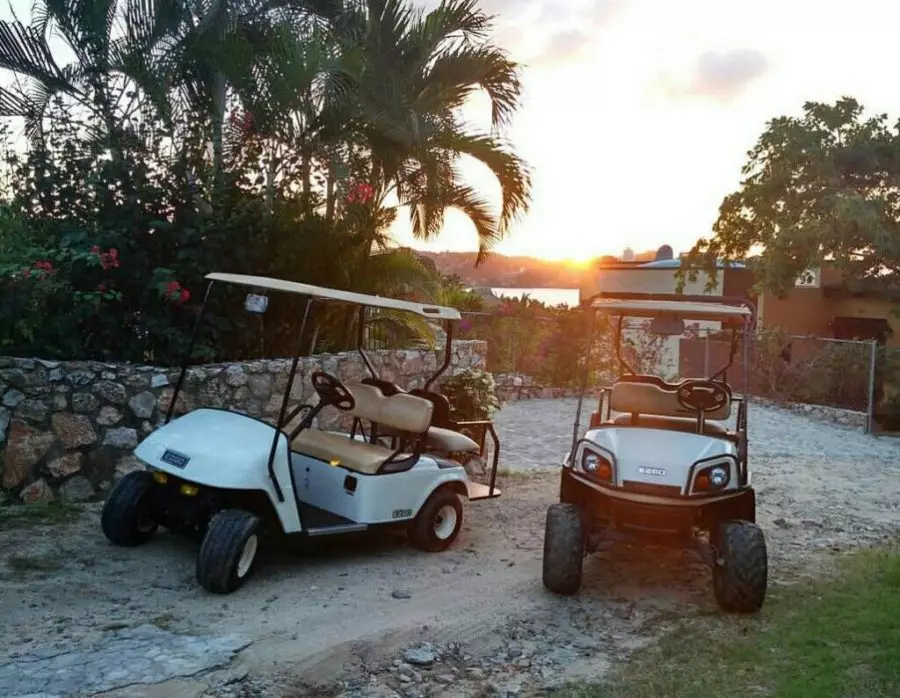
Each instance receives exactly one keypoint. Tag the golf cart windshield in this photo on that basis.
(667, 314)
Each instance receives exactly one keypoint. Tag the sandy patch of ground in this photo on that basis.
(369, 616)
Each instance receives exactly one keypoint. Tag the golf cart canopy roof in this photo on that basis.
(694, 310)
(262, 282)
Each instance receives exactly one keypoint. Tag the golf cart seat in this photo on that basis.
(405, 413)
(437, 438)
(654, 406)
(450, 441)
(650, 421)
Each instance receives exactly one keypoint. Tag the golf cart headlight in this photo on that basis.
(718, 476)
(596, 466)
(712, 478)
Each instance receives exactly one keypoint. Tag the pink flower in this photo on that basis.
(360, 193)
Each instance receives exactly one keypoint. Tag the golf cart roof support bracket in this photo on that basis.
(622, 362)
(360, 340)
(190, 350)
(582, 388)
(284, 403)
(448, 356)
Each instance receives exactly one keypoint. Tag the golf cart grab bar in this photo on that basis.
(488, 429)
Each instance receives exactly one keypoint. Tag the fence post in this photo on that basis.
(706, 355)
(870, 411)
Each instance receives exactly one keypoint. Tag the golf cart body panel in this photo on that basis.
(640, 454)
(371, 499)
(191, 448)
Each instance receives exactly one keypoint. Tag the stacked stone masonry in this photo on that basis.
(68, 429)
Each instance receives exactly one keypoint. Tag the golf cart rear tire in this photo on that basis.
(127, 516)
(563, 549)
(741, 580)
(422, 532)
(218, 561)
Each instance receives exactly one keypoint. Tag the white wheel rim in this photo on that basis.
(247, 556)
(445, 522)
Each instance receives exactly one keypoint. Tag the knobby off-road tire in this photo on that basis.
(563, 549)
(438, 522)
(741, 580)
(127, 517)
(228, 554)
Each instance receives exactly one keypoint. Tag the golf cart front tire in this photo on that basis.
(740, 573)
(438, 522)
(127, 517)
(563, 549)
(228, 554)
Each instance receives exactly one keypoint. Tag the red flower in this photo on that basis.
(108, 259)
(360, 193)
(101, 287)
(242, 120)
(174, 293)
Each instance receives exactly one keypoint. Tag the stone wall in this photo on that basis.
(67, 429)
(518, 386)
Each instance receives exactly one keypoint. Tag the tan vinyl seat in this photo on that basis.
(341, 450)
(651, 421)
(450, 441)
(403, 412)
(655, 405)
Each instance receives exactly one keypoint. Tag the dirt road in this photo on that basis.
(369, 616)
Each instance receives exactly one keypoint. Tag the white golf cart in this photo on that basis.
(659, 465)
(231, 480)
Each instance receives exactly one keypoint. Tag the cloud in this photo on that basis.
(570, 28)
(719, 75)
(563, 47)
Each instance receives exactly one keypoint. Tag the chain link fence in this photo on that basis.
(860, 376)
(885, 413)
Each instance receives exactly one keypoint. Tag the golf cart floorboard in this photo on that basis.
(319, 522)
(478, 491)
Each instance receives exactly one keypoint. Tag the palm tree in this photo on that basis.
(411, 74)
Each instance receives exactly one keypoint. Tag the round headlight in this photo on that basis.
(718, 476)
(590, 462)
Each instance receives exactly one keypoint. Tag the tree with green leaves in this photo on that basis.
(411, 73)
(821, 188)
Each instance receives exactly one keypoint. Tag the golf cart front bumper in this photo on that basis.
(652, 516)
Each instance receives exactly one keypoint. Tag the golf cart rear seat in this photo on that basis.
(648, 404)
(403, 412)
(437, 438)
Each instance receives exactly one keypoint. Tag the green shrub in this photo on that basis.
(472, 394)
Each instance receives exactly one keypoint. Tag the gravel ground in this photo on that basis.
(367, 617)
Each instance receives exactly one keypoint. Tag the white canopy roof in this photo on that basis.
(693, 310)
(425, 310)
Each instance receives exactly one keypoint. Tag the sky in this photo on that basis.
(638, 114)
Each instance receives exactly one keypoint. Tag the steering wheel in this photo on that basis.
(702, 395)
(332, 392)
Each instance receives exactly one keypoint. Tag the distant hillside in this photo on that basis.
(517, 272)
(510, 272)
